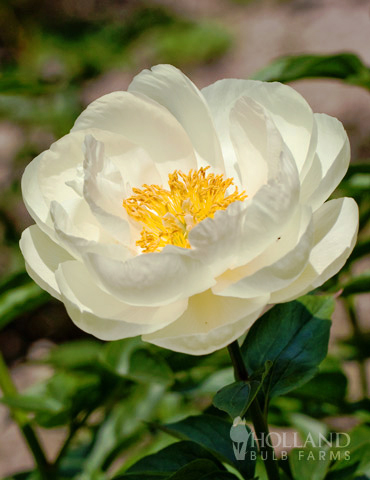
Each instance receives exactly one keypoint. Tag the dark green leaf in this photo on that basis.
(294, 336)
(236, 398)
(359, 284)
(19, 300)
(233, 399)
(343, 66)
(355, 168)
(361, 249)
(195, 470)
(14, 280)
(171, 459)
(328, 387)
(215, 434)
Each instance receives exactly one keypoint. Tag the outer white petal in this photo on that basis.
(151, 279)
(33, 198)
(100, 314)
(333, 152)
(290, 112)
(335, 233)
(145, 123)
(168, 86)
(276, 275)
(210, 323)
(42, 257)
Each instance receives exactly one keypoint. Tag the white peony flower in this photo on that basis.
(179, 214)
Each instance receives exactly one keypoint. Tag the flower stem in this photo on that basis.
(357, 336)
(259, 422)
(8, 388)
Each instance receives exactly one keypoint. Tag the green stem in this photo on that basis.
(8, 388)
(357, 336)
(259, 422)
(72, 432)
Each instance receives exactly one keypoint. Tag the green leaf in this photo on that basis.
(357, 285)
(307, 464)
(353, 458)
(196, 470)
(169, 460)
(294, 336)
(234, 398)
(123, 424)
(361, 249)
(21, 299)
(75, 355)
(343, 66)
(132, 359)
(59, 399)
(214, 433)
(330, 387)
(146, 366)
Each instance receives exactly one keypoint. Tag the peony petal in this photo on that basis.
(78, 234)
(103, 190)
(169, 87)
(290, 112)
(333, 152)
(100, 314)
(256, 142)
(335, 233)
(241, 232)
(152, 279)
(276, 275)
(145, 123)
(33, 198)
(42, 257)
(269, 211)
(209, 323)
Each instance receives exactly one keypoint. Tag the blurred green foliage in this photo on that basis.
(133, 399)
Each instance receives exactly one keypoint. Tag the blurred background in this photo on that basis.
(56, 57)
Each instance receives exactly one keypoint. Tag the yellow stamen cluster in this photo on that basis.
(169, 215)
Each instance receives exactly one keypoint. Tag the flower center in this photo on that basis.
(169, 215)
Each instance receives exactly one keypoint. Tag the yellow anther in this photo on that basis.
(168, 216)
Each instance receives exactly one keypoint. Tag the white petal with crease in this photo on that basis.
(209, 323)
(103, 190)
(277, 275)
(152, 279)
(333, 152)
(168, 86)
(98, 313)
(290, 112)
(335, 233)
(145, 123)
